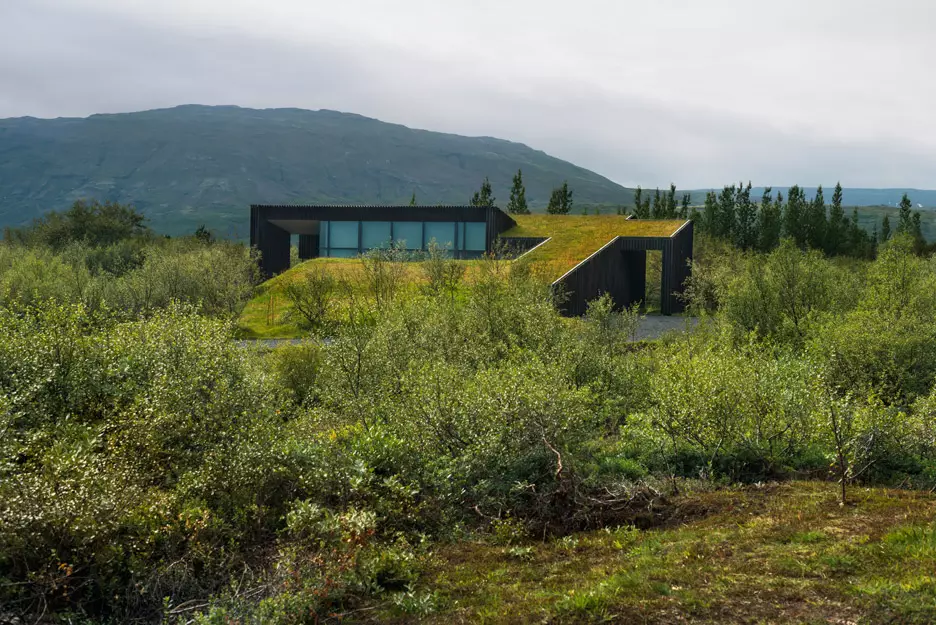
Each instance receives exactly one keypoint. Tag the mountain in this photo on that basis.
(850, 196)
(194, 165)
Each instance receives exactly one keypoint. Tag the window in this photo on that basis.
(343, 234)
(442, 231)
(409, 231)
(375, 234)
(475, 239)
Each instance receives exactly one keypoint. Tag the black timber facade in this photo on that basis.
(620, 268)
(272, 225)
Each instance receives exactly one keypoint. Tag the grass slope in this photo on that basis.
(775, 554)
(198, 164)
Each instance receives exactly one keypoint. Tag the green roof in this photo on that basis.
(573, 238)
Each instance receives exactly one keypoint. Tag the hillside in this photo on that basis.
(198, 164)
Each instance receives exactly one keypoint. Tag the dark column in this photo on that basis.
(272, 242)
(676, 253)
(308, 246)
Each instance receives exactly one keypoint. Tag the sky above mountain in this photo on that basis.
(698, 93)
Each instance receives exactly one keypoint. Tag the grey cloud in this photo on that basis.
(58, 61)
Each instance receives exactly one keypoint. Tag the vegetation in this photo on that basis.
(445, 447)
(560, 202)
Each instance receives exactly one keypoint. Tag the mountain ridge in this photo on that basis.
(193, 164)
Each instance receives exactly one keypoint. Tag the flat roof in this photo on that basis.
(573, 238)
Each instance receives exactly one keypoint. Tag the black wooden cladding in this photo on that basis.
(619, 269)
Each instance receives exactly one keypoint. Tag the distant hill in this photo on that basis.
(198, 164)
(850, 196)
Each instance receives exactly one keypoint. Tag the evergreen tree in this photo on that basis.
(670, 212)
(517, 205)
(684, 207)
(836, 234)
(816, 222)
(412, 201)
(794, 217)
(885, 229)
(560, 201)
(725, 216)
(658, 205)
(710, 213)
(641, 205)
(768, 227)
(484, 197)
(745, 235)
(905, 223)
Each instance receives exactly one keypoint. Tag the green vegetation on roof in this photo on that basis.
(573, 238)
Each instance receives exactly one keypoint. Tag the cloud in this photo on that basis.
(644, 93)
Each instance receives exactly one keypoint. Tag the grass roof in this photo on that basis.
(575, 237)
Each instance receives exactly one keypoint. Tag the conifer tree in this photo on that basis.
(638, 201)
(658, 205)
(885, 229)
(412, 201)
(517, 205)
(816, 222)
(745, 234)
(670, 211)
(905, 223)
(794, 216)
(484, 197)
(725, 215)
(710, 213)
(684, 207)
(836, 234)
(768, 226)
(560, 201)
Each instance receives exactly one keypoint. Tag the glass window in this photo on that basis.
(375, 234)
(409, 231)
(323, 239)
(475, 238)
(442, 231)
(343, 234)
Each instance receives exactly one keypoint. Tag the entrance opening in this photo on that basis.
(652, 302)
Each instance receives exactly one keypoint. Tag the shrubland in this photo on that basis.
(152, 469)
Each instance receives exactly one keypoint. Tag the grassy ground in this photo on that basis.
(774, 554)
(575, 237)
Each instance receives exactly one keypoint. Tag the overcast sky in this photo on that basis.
(644, 92)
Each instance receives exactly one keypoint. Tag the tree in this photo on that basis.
(203, 235)
(638, 203)
(517, 205)
(725, 215)
(768, 225)
(794, 217)
(560, 202)
(484, 197)
(905, 223)
(837, 232)
(670, 210)
(885, 229)
(658, 206)
(745, 235)
(684, 207)
(710, 213)
(412, 201)
(816, 223)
